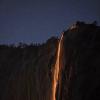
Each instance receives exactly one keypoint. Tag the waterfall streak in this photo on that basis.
(56, 70)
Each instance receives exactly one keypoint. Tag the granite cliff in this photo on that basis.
(80, 77)
(27, 71)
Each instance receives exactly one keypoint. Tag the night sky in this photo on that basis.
(37, 20)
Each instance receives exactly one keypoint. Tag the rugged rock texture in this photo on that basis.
(81, 71)
(26, 71)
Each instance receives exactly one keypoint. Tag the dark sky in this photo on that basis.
(36, 20)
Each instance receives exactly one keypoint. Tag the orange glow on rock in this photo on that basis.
(56, 71)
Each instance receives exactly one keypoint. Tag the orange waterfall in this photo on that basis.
(56, 71)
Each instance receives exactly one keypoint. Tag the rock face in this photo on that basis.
(81, 71)
(26, 71)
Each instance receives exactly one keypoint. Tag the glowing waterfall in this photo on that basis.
(56, 71)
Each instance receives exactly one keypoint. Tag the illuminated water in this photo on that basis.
(56, 70)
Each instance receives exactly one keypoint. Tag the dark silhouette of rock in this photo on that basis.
(81, 72)
(26, 71)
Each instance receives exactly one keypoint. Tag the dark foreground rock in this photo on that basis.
(26, 71)
(81, 71)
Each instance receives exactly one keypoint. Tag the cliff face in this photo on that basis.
(26, 71)
(81, 68)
